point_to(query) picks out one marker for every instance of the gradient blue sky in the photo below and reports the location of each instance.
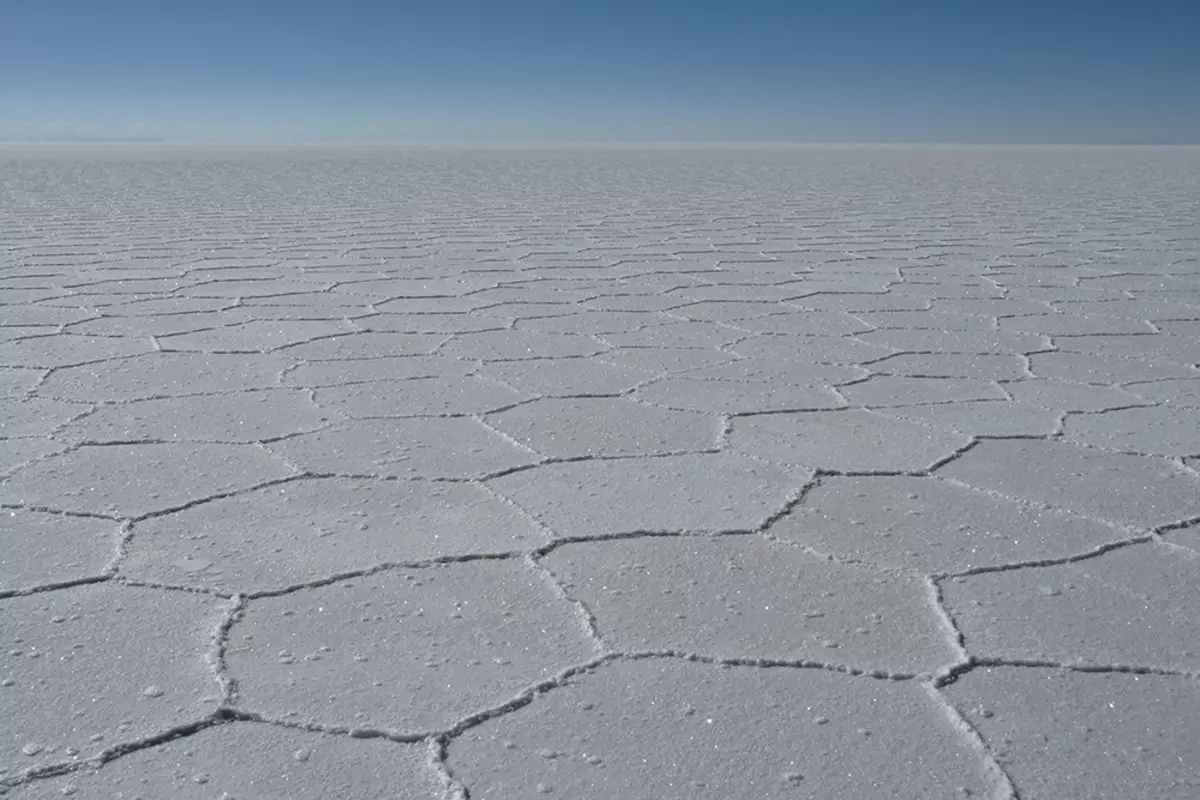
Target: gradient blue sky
(768, 70)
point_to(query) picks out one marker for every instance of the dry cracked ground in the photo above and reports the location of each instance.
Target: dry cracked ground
(591, 473)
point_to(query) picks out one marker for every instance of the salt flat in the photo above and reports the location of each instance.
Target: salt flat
(643, 472)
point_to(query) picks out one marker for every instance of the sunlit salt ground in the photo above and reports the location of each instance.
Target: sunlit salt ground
(427, 472)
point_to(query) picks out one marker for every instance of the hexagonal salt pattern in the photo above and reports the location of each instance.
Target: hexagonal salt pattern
(36, 416)
(1135, 605)
(42, 549)
(932, 526)
(598, 426)
(1140, 491)
(689, 473)
(740, 597)
(242, 417)
(417, 447)
(406, 651)
(704, 492)
(417, 397)
(163, 375)
(845, 441)
(301, 531)
(250, 760)
(1162, 430)
(70, 682)
(123, 480)
(663, 728)
(1060, 733)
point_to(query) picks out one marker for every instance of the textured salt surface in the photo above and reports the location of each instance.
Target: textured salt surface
(672, 473)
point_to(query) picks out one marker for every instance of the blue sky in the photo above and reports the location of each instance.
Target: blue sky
(764, 70)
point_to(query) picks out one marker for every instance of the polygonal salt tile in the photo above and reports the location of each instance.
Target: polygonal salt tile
(1068, 396)
(232, 264)
(658, 360)
(856, 303)
(565, 376)
(339, 372)
(728, 310)
(63, 349)
(446, 324)
(364, 345)
(996, 307)
(252, 760)
(632, 302)
(1106, 368)
(744, 597)
(36, 416)
(312, 305)
(986, 418)
(1076, 325)
(42, 549)
(590, 322)
(805, 323)
(887, 390)
(276, 311)
(1136, 605)
(15, 381)
(952, 365)
(931, 526)
(760, 293)
(518, 345)
(139, 283)
(921, 320)
(849, 440)
(970, 341)
(408, 448)
(701, 492)
(1183, 328)
(15, 453)
(1107, 736)
(70, 679)
(1179, 349)
(1141, 491)
(1188, 537)
(505, 313)
(1184, 393)
(301, 531)
(417, 397)
(407, 287)
(1165, 430)
(677, 334)
(1134, 309)
(735, 397)
(162, 306)
(952, 290)
(254, 287)
(11, 333)
(133, 480)
(259, 336)
(15, 315)
(408, 651)
(243, 417)
(150, 325)
(163, 375)
(14, 296)
(721, 733)
(425, 305)
(604, 426)
(811, 349)
(796, 371)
